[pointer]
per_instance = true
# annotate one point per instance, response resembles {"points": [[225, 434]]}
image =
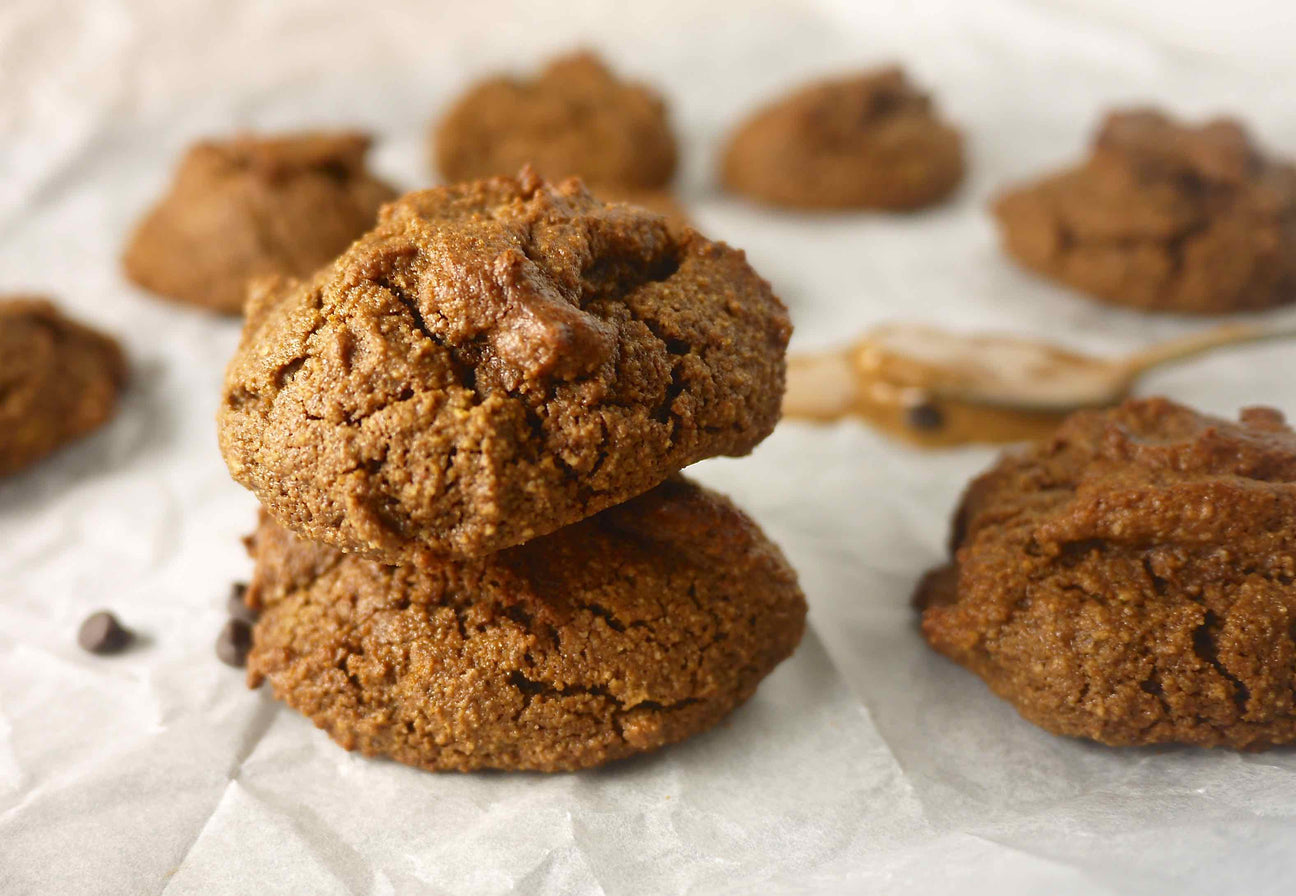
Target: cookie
{"points": [[58, 380], [864, 141], [494, 361], [576, 119], [660, 202], [625, 632], [254, 206], [1131, 581], [1162, 216]]}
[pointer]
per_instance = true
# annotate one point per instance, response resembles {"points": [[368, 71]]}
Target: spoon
{"points": [[1000, 372]]}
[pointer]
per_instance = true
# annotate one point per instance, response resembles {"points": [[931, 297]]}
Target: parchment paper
{"points": [[866, 764]]}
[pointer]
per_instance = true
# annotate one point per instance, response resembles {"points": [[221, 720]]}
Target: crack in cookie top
{"points": [[1131, 581], [493, 361]]}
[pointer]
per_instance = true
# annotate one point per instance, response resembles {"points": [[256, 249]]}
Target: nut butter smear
{"points": [[937, 389]]}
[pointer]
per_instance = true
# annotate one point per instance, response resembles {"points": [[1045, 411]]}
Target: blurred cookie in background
{"points": [[1162, 216], [58, 380], [870, 140], [254, 206], [576, 118]]}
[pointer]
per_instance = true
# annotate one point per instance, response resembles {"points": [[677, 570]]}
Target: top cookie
{"points": [[866, 141], [1130, 581], [254, 206], [575, 120], [1163, 217], [494, 361], [58, 380], [659, 202]]}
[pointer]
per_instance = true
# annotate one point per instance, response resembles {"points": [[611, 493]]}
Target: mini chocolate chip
{"points": [[924, 415], [102, 633], [236, 607], [234, 642]]}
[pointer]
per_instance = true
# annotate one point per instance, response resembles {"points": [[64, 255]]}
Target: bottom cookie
{"points": [[633, 629]]}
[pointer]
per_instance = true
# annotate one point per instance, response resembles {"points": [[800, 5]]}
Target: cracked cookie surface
{"points": [[1133, 580], [659, 202], [494, 361], [1164, 217], [866, 141], [622, 633], [254, 206], [575, 119], [58, 380]]}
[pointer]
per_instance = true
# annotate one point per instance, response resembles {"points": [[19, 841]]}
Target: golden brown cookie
{"points": [[1162, 216], [576, 119], [254, 206], [864, 141], [58, 380], [1132, 580], [494, 361], [630, 630], [660, 202]]}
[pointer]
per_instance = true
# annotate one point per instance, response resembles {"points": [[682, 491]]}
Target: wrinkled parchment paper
{"points": [[866, 764]]}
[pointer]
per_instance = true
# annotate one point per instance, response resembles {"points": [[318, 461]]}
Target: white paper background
{"points": [[864, 765]]}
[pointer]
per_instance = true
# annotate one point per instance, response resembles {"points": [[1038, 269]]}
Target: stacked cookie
{"points": [[465, 432]]}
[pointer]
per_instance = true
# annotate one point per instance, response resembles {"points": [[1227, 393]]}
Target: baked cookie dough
{"points": [[254, 206], [627, 631], [660, 202], [1131, 581], [576, 119], [58, 380], [494, 361], [1162, 216], [865, 141]]}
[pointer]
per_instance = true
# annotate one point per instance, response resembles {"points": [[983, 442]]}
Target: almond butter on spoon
{"points": [[937, 388]]}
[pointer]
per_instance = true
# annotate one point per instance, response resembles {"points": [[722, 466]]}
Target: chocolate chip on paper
{"points": [[102, 633], [236, 606], [234, 642]]}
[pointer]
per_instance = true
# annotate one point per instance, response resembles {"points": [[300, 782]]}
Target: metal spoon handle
{"points": [[1200, 343]]}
